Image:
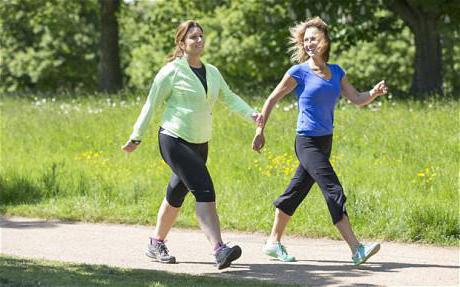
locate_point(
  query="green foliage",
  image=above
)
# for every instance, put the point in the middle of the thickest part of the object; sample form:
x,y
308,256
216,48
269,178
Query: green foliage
x,y
387,58
53,45
48,45
147,31
450,37
248,41
65,162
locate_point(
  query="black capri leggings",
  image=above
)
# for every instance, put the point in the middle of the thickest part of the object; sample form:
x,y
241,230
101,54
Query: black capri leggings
x,y
313,154
188,163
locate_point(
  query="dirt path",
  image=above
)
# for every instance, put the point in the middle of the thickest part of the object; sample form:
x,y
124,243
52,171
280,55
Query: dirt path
x,y
320,262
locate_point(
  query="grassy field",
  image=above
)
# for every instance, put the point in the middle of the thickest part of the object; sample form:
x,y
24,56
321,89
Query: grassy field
x,y
398,162
16,272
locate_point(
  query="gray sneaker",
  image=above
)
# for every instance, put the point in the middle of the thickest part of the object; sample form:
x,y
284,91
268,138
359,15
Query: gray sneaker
x,y
225,255
158,251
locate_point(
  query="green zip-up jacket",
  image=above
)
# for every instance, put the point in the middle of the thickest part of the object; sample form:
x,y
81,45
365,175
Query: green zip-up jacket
x,y
188,108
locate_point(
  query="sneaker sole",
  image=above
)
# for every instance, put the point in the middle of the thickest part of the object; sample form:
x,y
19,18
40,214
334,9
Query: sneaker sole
x,y
373,252
170,261
232,256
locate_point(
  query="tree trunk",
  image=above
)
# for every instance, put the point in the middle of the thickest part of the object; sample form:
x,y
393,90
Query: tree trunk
x,y
109,64
428,72
424,23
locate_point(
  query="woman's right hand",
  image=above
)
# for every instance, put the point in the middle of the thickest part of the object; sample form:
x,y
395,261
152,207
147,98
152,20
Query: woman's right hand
x,y
258,142
129,146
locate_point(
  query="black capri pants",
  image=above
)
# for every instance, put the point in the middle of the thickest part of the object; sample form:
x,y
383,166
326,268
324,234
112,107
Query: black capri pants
x,y
188,163
313,154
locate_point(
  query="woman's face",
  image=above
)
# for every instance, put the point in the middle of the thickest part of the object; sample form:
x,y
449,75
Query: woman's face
x,y
193,43
313,42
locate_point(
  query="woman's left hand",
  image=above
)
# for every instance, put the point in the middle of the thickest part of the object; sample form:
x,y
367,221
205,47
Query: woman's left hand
x,y
129,146
379,89
258,118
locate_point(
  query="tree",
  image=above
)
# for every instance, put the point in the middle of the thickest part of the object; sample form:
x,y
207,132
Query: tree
x,y
423,22
147,29
48,45
110,79
423,18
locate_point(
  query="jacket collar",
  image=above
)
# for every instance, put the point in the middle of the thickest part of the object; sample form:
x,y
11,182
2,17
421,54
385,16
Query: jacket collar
x,y
185,65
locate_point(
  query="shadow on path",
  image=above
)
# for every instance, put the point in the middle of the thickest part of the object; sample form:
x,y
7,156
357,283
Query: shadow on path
x,y
5,223
315,274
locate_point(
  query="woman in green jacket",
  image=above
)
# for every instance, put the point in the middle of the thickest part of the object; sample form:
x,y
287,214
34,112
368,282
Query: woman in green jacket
x,y
188,89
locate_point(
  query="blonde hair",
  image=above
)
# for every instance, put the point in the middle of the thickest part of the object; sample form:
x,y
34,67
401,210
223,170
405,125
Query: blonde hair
x,y
297,49
181,32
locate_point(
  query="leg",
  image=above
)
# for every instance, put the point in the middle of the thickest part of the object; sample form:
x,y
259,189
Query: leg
x,y
170,207
344,227
209,222
188,162
279,224
286,205
167,215
314,157
273,246
288,202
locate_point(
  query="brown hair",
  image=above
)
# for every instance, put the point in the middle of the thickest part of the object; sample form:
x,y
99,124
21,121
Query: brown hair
x,y
181,32
297,35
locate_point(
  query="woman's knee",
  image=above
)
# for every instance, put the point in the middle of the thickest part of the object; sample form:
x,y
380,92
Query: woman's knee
x,y
204,195
175,195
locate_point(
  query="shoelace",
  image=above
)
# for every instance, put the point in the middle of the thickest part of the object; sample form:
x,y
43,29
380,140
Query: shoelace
x,y
163,249
283,249
222,247
360,251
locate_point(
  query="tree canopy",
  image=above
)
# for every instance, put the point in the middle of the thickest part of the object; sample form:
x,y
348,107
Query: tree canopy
x,y
54,45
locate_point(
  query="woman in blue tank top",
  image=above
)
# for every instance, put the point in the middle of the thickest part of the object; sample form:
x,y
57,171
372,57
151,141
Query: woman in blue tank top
x,y
317,86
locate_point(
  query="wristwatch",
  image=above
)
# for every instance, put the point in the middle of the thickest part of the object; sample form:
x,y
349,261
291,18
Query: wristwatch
x,y
136,142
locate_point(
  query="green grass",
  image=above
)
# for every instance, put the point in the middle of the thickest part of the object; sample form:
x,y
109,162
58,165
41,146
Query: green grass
x,y
27,273
398,163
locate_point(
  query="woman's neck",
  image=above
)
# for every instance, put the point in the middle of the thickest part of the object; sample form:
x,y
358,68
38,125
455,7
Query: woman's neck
x,y
316,62
193,61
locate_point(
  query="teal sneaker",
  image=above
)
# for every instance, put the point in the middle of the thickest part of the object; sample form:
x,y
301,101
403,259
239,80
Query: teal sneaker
x,y
364,252
278,251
